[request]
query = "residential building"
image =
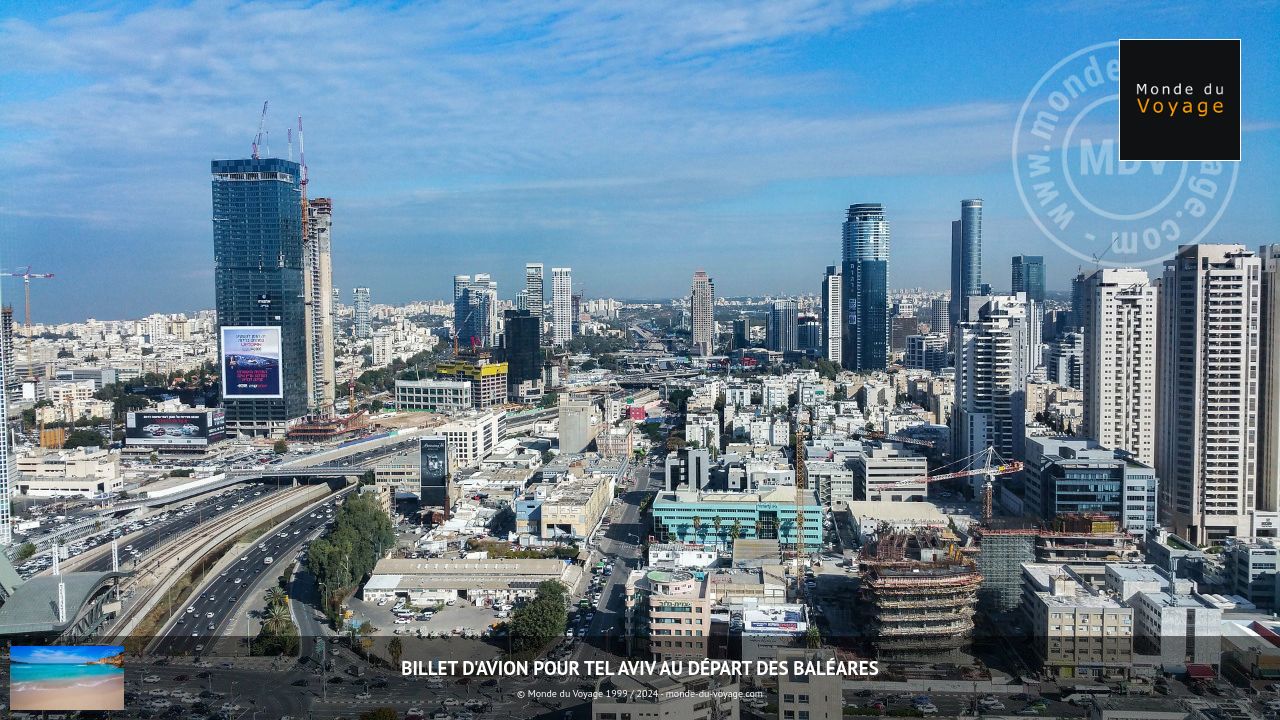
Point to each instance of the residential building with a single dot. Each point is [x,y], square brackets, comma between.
[782,333]
[940,316]
[926,352]
[687,468]
[995,353]
[562,305]
[1180,628]
[472,437]
[671,611]
[832,318]
[6,450]
[865,269]
[360,304]
[317,286]
[1074,476]
[1119,360]
[1064,361]
[1269,389]
[383,348]
[1028,277]
[488,378]
[535,293]
[890,471]
[966,260]
[702,308]
[258,283]
[617,442]
[442,396]
[1076,631]
[1207,391]
[8,364]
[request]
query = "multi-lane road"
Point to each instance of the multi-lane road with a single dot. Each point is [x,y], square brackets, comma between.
[213,613]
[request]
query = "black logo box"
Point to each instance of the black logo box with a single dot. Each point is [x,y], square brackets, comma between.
[1187,68]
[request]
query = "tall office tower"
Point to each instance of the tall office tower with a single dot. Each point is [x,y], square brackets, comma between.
[522,300]
[1028,277]
[782,331]
[317,287]
[742,333]
[940,320]
[702,307]
[996,351]
[258,282]
[535,289]
[9,371]
[1207,391]
[865,267]
[809,333]
[1079,295]
[1269,390]
[360,304]
[966,259]
[475,309]
[832,328]
[1119,369]
[521,338]
[561,305]
[7,467]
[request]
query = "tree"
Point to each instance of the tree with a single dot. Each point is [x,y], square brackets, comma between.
[375,405]
[813,637]
[368,478]
[382,713]
[542,619]
[395,649]
[366,631]
[277,618]
[549,400]
[83,437]
[735,530]
[716,522]
[281,447]
[275,596]
[25,551]
[697,525]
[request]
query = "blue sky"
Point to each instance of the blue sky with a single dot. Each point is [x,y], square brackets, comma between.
[635,142]
[63,654]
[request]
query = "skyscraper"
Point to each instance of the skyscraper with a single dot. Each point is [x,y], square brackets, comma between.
[940,315]
[258,283]
[317,284]
[1028,277]
[475,310]
[1269,390]
[1119,369]
[562,305]
[360,298]
[782,331]
[9,371]
[521,336]
[6,462]
[1207,391]
[832,325]
[742,332]
[995,352]
[865,267]
[534,289]
[966,259]
[702,307]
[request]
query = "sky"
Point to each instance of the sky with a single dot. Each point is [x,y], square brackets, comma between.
[63,654]
[635,142]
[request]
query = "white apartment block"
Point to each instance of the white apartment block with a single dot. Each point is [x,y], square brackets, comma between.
[995,354]
[832,315]
[890,471]
[1269,392]
[562,305]
[1077,631]
[443,396]
[1207,402]
[1119,379]
[472,437]
[774,393]
[1179,628]
[384,348]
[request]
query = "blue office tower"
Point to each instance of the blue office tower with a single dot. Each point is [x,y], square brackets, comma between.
[966,259]
[865,269]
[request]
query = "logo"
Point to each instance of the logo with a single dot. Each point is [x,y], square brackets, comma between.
[1180,100]
[1078,191]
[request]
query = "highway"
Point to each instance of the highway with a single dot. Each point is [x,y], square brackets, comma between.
[208,616]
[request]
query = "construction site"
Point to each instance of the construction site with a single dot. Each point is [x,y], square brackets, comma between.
[918,596]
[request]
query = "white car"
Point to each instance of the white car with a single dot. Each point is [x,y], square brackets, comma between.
[238,581]
[151,679]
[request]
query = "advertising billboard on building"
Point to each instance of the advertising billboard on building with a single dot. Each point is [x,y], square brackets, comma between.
[251,363]
[434,456]
[175,430]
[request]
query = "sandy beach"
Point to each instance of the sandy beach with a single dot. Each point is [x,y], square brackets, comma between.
[98,688]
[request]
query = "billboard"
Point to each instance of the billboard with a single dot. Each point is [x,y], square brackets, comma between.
[434,458]
[178,429]
[251,363]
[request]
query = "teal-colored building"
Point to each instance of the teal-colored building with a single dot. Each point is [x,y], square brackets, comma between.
[716,518]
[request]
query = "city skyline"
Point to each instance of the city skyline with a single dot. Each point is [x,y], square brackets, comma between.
[82,197]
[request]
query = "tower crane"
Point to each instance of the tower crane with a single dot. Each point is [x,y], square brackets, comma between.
[262,124]
[992,467]
[27,276]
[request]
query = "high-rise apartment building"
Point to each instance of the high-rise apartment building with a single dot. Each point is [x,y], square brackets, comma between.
[742,333]
[1028,277]
[1064,360]
[7,467]
[562,305]
[475,310]
[1269,388]
[995,353]
[782,333]
[258,283]
[360,298]
[1207,391]
[702,308]
[317,287]
[1119,368]
[9,370]
[966,259]
[865,268]
[832,320]
[940,315]
[534,289]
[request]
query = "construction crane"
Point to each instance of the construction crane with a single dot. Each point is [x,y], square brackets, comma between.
[27,276]
[877,435]
[992,466]
[262,124]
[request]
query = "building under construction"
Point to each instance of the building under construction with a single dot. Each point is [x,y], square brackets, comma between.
[919,595]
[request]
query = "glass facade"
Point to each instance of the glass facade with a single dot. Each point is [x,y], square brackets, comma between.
[1028,277]
[258,276]
[966,259]
[865,269]
[522,332]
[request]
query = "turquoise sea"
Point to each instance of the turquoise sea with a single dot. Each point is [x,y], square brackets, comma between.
[24,673]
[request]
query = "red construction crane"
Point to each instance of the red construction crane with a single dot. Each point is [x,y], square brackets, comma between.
[989,469]
[877,435]
[27,276]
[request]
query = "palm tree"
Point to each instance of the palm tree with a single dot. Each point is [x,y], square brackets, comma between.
[275,596]
[716,522]
[735,530]
[277,618]
[697,526]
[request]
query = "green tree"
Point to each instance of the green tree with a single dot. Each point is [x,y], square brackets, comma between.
[277,618]
[549,400]
[375,405]
[395,650]
[541,620]
[339,560]
[275,596]
[281,447]
[813,637]
[697,526]
[83,437]
[25,551]
[735,530]
[717,522]
[381,713]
